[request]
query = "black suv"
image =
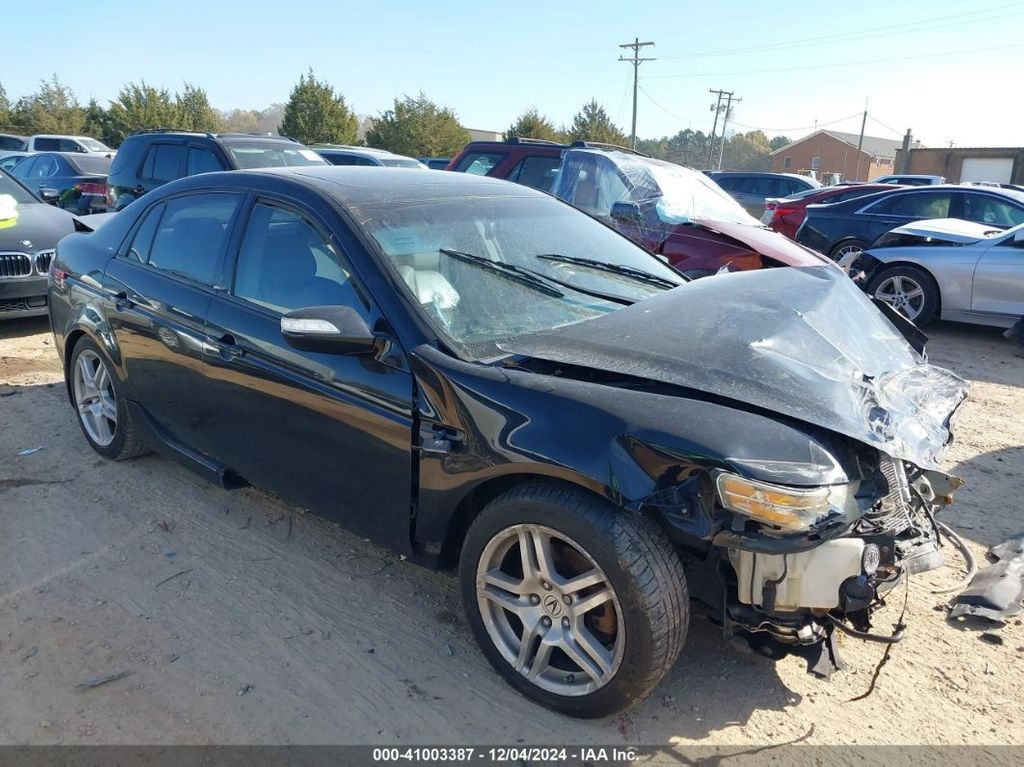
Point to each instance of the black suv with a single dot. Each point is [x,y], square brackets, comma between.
[150,158]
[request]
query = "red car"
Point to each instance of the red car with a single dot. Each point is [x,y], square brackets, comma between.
[674,212]
[531,162]
[785,214]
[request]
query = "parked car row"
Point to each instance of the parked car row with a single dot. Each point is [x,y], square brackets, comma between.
[43,142]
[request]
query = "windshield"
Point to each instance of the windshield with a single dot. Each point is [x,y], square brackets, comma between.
[594,181]
[93,145]
[12,190]
[271,154]
[483,270]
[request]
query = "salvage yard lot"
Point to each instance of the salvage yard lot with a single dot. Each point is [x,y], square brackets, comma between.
[236,618]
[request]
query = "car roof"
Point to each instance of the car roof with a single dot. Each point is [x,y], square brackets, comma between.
[353,185]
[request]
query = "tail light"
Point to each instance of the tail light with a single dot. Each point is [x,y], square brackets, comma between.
[87,187]
[780,212]
[770,204]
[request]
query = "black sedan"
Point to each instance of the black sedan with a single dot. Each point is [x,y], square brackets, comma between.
[29,231]
[73,181]
[844,229]
[478,375]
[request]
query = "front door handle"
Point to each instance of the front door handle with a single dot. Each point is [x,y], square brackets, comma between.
[121,301]
[225,347]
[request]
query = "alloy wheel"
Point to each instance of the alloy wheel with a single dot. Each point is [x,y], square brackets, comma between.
[550,610]
[846,255]
[95,398]
[903,294]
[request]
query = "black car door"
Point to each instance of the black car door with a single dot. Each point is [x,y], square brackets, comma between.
[331,432]
[159,288]
[904,207]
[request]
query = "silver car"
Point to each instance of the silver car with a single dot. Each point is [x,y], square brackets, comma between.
[947,268]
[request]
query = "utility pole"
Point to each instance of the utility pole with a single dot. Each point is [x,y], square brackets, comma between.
[725,122]
[714,128]
[860,141]
[636,45]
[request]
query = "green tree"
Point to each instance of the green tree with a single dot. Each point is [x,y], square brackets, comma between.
[97,122]
[240,120]
[54,108]
[747,151]
[592,123]
[779,141]
[532,124]
[139,106]
[5,107]
[314,114]
[418,127]
[194,110]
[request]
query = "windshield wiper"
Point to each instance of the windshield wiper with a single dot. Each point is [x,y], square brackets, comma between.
[512,272]
[627,271]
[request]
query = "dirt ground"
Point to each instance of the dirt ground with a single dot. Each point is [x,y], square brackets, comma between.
[235,618]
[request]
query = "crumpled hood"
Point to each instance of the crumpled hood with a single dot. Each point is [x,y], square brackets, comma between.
[766,242]
[801,342]
[953,230]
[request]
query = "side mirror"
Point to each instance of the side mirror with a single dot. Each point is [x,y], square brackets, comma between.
[49,195]
[1018,238]
[328,330]
[627,212]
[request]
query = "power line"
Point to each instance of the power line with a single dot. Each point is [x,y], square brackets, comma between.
[920,25]
[798,128]
[889,60]
[887,127]
[636,45]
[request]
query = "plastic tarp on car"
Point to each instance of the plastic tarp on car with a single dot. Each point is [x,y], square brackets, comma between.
[667,194]
[801,342]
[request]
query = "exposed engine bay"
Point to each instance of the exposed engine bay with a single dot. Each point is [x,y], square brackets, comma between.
[797,599]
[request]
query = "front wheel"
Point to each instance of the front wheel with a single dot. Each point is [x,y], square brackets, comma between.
[578,605]
[846,252]
[909,290]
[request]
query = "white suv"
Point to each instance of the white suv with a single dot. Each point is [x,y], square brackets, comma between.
[53,143]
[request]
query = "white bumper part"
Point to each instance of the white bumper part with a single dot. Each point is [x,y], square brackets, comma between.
[812,578]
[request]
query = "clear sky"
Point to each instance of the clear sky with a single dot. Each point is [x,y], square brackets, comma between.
[949,70]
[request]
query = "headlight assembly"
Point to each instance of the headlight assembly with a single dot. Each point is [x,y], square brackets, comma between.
[787,508]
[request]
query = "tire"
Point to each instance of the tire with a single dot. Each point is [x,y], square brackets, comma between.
[97,399]
[909,290]
[846,252]
[636,606]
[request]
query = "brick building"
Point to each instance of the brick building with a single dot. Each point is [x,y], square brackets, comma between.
[1003,165]
[827,151]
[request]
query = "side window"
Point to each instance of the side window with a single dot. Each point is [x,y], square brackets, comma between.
[162,162]
[536,172]
[343,159]
[24,167]
[46,145]
[143,239]
[928,205]
[201,161]
[191,235]
[285,263]
[479,163]
[45,166]
[68,145]
[729,183]
[986,209]
[787,162]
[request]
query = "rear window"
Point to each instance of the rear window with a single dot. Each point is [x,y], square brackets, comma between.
[93,164]
[401,163]
[479,163]
[271,154]
[12,143]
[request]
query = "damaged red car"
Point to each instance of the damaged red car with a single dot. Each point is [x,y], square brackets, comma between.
[673,212]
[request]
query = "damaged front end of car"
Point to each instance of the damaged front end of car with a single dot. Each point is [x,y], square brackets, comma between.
[798,564]
[815,491]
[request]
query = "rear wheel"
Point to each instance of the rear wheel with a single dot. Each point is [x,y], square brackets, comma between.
[578,605]
[98,399]
[909,290]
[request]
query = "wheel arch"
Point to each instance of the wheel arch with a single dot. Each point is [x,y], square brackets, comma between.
[476,498]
